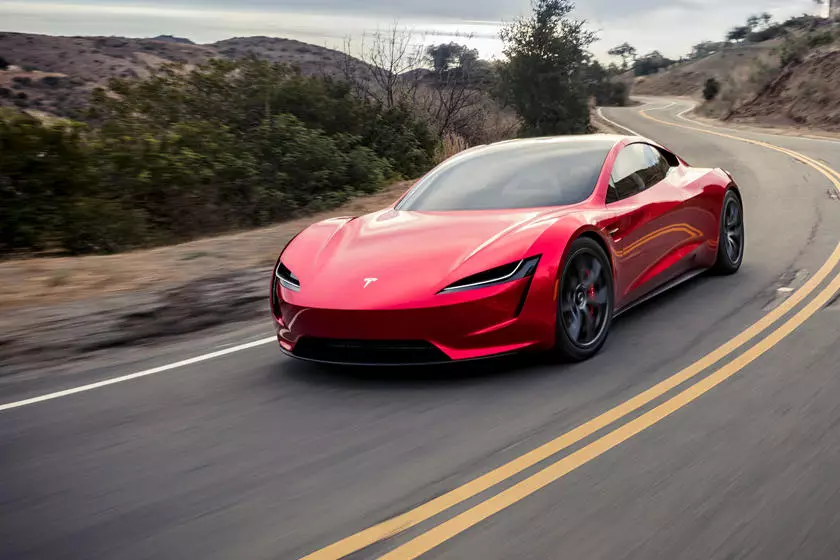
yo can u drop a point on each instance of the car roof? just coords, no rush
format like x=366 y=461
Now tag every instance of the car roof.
x=605 y=141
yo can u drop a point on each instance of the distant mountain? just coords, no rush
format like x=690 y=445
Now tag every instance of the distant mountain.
x=173 y=39
x=55 y=75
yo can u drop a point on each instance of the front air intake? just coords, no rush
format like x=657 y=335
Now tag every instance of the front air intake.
x=379 y=352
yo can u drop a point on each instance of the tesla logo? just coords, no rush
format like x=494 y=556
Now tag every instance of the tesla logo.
x=369 y=281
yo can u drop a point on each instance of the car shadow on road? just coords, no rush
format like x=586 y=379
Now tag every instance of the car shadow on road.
x=419 y=376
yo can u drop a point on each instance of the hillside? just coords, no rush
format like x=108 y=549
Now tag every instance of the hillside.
x=311 y=59
x=687 y=79
x=55 y=75
x=804 y=93
x=788 y=81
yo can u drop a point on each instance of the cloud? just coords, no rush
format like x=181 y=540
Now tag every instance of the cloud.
x=670 y=26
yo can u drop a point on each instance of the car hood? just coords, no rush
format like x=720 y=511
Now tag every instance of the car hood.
x=393 y=259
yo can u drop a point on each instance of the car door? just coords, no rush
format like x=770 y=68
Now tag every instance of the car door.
x=641 y=201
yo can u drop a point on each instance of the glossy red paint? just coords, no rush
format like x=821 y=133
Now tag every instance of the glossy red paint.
x=378 y=277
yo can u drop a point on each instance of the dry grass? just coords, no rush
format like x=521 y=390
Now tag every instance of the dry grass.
x=804 y=94
x=756 y=90
x=451 y=145
x=687 y=79
x=48 y=281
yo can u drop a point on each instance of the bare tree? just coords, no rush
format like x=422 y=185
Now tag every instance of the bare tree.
x=453 y=101
x=384 y=68
x=393 y=67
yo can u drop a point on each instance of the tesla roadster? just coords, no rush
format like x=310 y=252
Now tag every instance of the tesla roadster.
x=520 y=245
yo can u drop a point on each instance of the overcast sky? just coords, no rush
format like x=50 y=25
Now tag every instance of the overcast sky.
x=670 y=26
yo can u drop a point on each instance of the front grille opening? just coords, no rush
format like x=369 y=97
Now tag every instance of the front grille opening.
x=384 y=352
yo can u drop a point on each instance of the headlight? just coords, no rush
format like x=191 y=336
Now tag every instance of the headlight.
x=286 y=278
x=499 y=275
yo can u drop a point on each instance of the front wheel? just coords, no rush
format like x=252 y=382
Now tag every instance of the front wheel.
x=584 y=301
x=730 y=251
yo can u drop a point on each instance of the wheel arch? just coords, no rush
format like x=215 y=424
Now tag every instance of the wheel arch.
x=732 y=186
x=736 y=190
x=591 y=234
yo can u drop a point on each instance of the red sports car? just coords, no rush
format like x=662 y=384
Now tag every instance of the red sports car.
x=523 y=244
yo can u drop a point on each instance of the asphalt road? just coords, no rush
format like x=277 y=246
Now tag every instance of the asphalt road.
x=249 y=455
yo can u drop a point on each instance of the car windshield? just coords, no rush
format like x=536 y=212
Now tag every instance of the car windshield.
x=520 y=175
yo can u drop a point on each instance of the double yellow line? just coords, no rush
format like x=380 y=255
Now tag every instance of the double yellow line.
x=463 y=521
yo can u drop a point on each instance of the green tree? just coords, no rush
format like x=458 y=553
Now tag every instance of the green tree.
x=625 y=51
x=766 y=19
x=183 y=153
x=738 y=34
x=446 y=56
x=651 y=63
x=51 y=195
x=543 y=77
x=603 y=85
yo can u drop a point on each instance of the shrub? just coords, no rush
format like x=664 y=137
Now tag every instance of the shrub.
x=818 y=39
x=651 y=63
x=711 y=89
x=93 y=225
x=762 y=74
x=41 y=167
x=178 y=155
x=610 y=93
x=4 y=64
x=793 y=50
x=51 y=81
x=772 y=32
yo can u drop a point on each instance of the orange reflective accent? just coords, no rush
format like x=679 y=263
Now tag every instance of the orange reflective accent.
x=687 y=228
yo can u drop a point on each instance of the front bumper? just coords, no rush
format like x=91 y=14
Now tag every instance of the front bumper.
x=488 y=323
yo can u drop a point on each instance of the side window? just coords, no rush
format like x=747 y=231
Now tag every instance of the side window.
x=657 y=168
x=637 y=167
x=627 y=178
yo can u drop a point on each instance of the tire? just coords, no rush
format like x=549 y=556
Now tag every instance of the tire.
x=730 y=251
x=585 y=301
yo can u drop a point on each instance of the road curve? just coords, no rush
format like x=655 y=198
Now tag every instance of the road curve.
x=663 y=446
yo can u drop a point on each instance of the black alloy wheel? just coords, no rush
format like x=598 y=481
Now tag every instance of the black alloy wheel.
x=731 y=239
x=585 y=301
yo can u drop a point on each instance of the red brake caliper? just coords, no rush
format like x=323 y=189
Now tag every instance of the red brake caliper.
x=591 y=293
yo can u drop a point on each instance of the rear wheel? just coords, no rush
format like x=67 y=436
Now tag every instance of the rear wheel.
x=730 y=252
x=584 y=301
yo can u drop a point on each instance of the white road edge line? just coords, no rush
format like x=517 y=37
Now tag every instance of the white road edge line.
x=144 y=373
x=811 y=138
x=612 y=122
